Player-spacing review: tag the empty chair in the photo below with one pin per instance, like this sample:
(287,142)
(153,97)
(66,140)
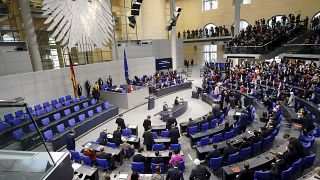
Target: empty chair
(19,113)
(85,104)
(56,116)
(72,122)
(58,106)
(233,158)
(18,134)
(112,145)
(45,121)
(203,142)
(155,135)
(37,107)
(48,135)
(90,113)
(215,163)
(75,100)
(228,135)
(67,103)
(138,167)
(192,130)
(165,134)
(76,108)
(181,166)
(93,102)
(126,132)
(8,117)
(260,175)
(103,164)
(106,105)
(31,111)
(266,143)
(16,122)
(61,100)
(307,162)
(3,126)
(216,138)
(54,102)
(32,128)
(256,147)
(86,160)
(245,153)
(60,128)
(82,117)
(153,167)
(67,112)
(213,123)
(204,127)
(175,146)
(49,109)
(82,98)
(158,147)
(40,112)
(99,109)
(75,156)
(68,98)
(287,174)
(46,104)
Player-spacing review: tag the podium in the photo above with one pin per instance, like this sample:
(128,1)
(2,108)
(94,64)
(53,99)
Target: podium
(150,102)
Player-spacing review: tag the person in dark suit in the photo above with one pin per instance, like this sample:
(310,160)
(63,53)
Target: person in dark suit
(174,135)
(279,166)
(199,172)
(70,141)
(174,173)
(176,101)
(227,127)
(96,94)
(139,157)
(214,153)
(120,121)
(243,121)
(109,81)
(228,151)
(290,156)
(246,173)
(103,155)
(255,138)
(147,123)
(170,121)
(210,117)
(245,143)
(216,111)
(148,139)
(103,139)
(117,136)
(158,159)
(263,133)
(191,123)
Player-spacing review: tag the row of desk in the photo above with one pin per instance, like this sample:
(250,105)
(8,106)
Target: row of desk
(171,89)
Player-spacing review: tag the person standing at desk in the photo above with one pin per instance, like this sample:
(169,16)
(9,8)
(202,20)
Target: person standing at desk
(148,139)
(120,121)
(176,101)
(147,123)
(171,121)
(71,143)
(174,135)
(109,81)
(96,94)
(117,136)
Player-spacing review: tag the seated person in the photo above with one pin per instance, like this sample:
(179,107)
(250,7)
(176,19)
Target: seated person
(263,133)
(176,157)
(227,127)
(290,156)
(228,151)
(214,153)
(255,138)
(90,153)
(279,166)
(103,139)
(245,143)
(165,107)
(176,101)
(109,157)
(209,116)
(139,157)
(126,145)
(246,173)
(158,159)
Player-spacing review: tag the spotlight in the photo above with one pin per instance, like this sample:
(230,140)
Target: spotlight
(132,21)
(135,6)
(135,12)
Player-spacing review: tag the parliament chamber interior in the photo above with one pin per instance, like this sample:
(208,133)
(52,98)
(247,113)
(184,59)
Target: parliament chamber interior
(159,89)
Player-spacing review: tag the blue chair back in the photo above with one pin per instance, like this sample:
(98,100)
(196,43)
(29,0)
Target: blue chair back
(58,106)
(245,153)
(16,122)
(165,134)
(67,112)
(112,145)
(307,162)
(153,167)
(181,166)
(216,138)
(215,163)
(233,158)
(76,108)
(8,117)
(154,135)
(175,146)
(99,109)
(106,105)
(57,116)
(19,113)
(82,98)
(37,107)
(158,147)
(228,135)
(127,132)
(287,174)
(54,102)
(103,164)
(266,143)
(18,134)
(72,122)
(75,156)
(85,104)
(204,127)
(75,100)
(90,113)
(61,100)
(86,160)
(260,175)
(297,166)
(93,102)
(45,104)
(213,123)
(3,126)
(60,128)
(32,127)
(68,98)
(203,141)
(40,112)
(256,147)
(82,117)
(49,109)
(48,135)
(128,152)
(138,167)
(192,130)
(67,103)
(45,121)
(220,120)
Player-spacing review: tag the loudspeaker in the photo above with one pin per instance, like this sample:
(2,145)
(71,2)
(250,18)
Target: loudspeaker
(139,1)
(132,19)
(135,6)
(135,12)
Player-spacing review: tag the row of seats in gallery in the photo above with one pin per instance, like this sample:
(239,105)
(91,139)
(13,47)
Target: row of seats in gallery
(71,123)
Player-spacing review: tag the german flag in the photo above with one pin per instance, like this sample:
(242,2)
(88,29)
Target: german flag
(73,76)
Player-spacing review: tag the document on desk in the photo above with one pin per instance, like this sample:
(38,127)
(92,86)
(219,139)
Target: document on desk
(123,176)
(238,114)
(132,139)
(132,126)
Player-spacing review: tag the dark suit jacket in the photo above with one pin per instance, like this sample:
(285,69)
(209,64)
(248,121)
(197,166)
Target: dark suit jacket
(174,174)
(199,172)
(71,143)
(171,121)
(244,121)
(174,134)
(245,175)
(117,137)
(139,158)
(227,151)
(277,169)
(102,138)
(245,144)
(120,122)
(157,160)
(146,124)
(255,139)
(107,156)
(213,154)
(148,138)
(290,157)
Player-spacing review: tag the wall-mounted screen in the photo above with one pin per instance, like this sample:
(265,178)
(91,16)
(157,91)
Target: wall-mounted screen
(165,63)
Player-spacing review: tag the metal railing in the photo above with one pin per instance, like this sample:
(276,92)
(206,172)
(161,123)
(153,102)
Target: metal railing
(302,48)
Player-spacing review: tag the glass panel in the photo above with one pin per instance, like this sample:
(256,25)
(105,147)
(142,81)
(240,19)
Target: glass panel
(210,53)
(215,4)
(207,5)
(21,143)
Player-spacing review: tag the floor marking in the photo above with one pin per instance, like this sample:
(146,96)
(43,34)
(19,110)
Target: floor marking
(190,157)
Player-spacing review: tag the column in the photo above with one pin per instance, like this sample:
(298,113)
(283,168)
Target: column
(237,6)
(173,37)
(31,35)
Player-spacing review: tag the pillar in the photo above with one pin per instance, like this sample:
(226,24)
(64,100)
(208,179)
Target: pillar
(31,35)
(237,6)
(173,37)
